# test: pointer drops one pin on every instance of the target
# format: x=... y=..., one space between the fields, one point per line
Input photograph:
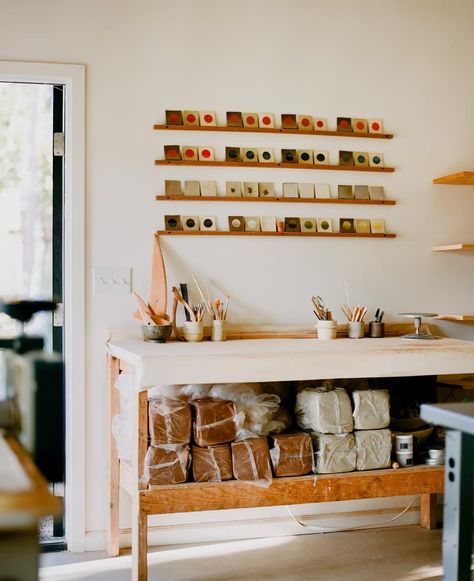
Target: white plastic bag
x=335 y=453
x=371 y=409
x=374 y=448
x=325 y=412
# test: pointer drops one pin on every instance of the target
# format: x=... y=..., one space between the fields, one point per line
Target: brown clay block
x=212 y=464
x=292 y=454
x=251 y=459
x=165 y=465
x=213 y=421
x=169 y=422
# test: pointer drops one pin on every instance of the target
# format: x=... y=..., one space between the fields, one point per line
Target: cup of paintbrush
x=376 y=327
x=355 y=320
x=219 y=321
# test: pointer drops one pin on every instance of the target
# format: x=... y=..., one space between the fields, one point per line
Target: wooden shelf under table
x=462 y=178
x=199 y=496
x=273 y=199
x=275 y=165
x=224 y=128
x=293 y=234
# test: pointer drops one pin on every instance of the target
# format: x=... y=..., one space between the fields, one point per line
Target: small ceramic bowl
x=156 y=333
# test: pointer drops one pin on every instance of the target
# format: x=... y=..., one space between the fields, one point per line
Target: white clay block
x=335 y=453
x=371 y=409
x=374 y=448
x=326 y=412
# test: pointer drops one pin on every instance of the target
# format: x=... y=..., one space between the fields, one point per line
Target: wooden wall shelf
x=275 y=165
x=455 y=317
x=273 y=199
x=272 y=130
x=300 y=234
x=462 y=178
x=454 y=248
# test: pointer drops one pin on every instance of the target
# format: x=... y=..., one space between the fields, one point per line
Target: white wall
x=406 y=62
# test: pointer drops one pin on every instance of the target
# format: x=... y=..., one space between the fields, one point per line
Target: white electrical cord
x=362 y=527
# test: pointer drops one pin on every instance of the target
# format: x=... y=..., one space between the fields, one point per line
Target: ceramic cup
x=218 y=330
x=193 y=332
x=355 y=329
x=326 y=330
x=376 y=330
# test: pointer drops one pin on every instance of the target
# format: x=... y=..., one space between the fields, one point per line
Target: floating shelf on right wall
x=454 y=248
x=462 y=178
x=455 y=317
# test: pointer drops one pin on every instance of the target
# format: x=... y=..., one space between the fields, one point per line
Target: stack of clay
x=371 y=418
x=328 y=415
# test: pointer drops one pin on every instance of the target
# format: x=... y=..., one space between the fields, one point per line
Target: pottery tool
x=179 y=298
x=354 y=314
x=158 y=288
x=207 y=301
x=184 y=293
x=199 y=311
x=146 y=315
x=378 y=315
x=220 y=309
x=320 y=310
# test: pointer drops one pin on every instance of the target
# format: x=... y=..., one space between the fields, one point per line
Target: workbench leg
x=428 y=511
x=139 y=541
x=113 y=472
x=458 y=497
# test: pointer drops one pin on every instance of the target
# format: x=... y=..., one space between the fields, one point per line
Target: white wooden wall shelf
x=462 y=178
x=256 y=361
x=454 y=248
x=222 y=128
x=293 y=234
x=273 y=199
x=244 y=164
x=455 y=317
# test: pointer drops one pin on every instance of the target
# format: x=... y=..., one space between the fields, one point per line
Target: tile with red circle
x=207 y=118
x=266 y=120
x=320 y=124
x=172 y=153
x=234 y=119
x=288 y=121
x=250 y=119
x=305 y=156
x=206 y=153
x=375 y=126
x=266 y=155
x=344 y=124
x=191 y=118
x=321 y=157
x=305 y=122
x=189 y=152
x=359 y=125
x=173 y=117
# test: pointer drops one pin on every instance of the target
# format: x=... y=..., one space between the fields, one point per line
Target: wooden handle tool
x=158 y=288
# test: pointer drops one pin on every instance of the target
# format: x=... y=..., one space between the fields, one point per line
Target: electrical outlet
x=113 y=280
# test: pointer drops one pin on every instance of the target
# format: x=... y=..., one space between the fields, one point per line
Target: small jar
x=192 y=331
x=376 y=330
x=326 y=330
x=355 y=329
x=218 y=331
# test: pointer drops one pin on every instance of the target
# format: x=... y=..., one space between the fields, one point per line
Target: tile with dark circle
x=346 y=225
x=292 y=225
x=376 y=160
x=305 y=156
x=308 y=225
x=266 y=155
x=361 y=159
x=249 y=155
x=207 y=223
x=190 y=222
x=321 y=157
x=173 y=222
x=233 y=154
x=289 y=156
x=346 y=158
x=324 y=224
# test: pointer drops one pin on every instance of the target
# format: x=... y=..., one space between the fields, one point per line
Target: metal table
x=458 y=418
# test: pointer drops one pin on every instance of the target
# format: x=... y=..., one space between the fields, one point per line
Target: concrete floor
x=392 y=554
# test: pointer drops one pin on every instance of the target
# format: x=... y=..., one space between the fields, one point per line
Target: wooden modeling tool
x=158 y=288
x=146 y=314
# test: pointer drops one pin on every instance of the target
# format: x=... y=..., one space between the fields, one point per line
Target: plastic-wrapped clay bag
x=258 y=408
x=169 y=421
x=326 y=412
x=215 y=421
x=212 y=464
x=280 y=422
x=123 y=435
x=167 y=464
x=292 y=455
x=371 y=409
x=186 y=392
x=251 y=461
x=335 y=453
x=374 y=448
x=124 y=384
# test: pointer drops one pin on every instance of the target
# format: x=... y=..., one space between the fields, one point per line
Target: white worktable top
x=287 y=359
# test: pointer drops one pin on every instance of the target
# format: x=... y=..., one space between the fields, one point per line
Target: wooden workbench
x=264 y=360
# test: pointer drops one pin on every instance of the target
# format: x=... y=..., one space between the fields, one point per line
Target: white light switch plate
x=113 y=280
